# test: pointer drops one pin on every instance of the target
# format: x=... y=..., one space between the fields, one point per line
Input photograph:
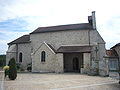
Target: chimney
x=92 y=20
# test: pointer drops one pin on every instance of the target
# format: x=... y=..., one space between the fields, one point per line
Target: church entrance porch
x=76 y=64
x=73 y=62
x=75 y=58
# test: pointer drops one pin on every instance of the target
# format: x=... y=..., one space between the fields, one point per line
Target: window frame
x=20 y=57
x=43 y=56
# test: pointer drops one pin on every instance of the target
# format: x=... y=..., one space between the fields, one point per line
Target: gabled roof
x=70 y=49
x=51 y=47
x=48 y=46
x=22 y=39
x=82 y=26
x=118 y=44
x=75 y=49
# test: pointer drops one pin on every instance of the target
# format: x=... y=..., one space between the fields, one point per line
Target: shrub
x=22 y=69
x=12 y=69
x=18 y=65
x=29 y=67
x=6 y=69
x=2 y=60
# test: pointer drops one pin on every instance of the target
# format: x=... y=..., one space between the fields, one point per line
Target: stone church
x=63 y=48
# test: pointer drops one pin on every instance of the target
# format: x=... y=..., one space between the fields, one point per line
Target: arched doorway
x=75 y=64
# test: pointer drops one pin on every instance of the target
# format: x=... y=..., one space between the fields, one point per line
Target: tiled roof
x=22 y=39
x=111 y=53
x=51 y=47
x=71 y=49
x=82 y=26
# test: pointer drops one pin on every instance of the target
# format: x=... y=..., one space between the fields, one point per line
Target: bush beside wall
x=12 y=69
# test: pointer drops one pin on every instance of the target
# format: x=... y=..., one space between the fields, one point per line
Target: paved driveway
x=67 y=81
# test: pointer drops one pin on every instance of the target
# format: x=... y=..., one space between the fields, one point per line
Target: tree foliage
x=12 y=69
x=2 y=60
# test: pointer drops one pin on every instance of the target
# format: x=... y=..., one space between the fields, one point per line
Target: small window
x=43 y=56
x=20 y=57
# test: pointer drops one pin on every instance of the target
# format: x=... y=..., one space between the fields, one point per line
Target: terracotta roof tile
x=111 y=53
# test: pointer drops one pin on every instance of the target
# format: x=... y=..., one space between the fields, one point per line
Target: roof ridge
x=79 y=26
x=62 y=25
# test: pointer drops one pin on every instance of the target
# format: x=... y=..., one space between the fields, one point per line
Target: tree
x=2 y=60
x=12 y=69
x=6 y=70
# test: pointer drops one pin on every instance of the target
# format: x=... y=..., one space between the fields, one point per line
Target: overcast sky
x=19 y=17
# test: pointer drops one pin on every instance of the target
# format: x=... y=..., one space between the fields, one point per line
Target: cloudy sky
x=19 y=17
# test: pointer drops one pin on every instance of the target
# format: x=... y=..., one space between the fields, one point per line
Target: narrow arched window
x=20 y=57
x=43 y=56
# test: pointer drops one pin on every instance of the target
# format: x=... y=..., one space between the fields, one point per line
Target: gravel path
x=67 y=81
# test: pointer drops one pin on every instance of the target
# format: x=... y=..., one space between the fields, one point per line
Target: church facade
x=64 y=48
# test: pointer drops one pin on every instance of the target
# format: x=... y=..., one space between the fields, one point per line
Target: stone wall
x=56 y=39
x=50 y=59
x=103 y=64
x=86 y=67
x=25 y=49
x=59 y=66
x=75 y=37
x=11 y=53
x=9 y=56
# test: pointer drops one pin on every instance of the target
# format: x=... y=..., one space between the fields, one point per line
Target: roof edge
x=19 y=40
x=58 y=26
x=19 y=43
